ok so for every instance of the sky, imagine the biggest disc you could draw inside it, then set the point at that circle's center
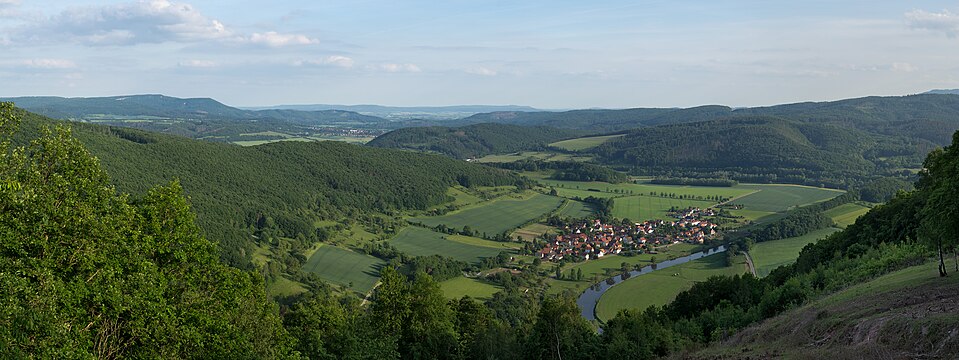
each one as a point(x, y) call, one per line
point(554, 54)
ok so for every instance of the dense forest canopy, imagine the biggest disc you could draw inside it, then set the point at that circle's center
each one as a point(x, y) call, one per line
point(473, 140)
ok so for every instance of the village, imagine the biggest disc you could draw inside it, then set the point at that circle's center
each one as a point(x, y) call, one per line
point(594, 239)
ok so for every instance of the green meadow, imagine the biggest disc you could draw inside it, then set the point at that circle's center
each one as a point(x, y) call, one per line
point(777, 197)
point(584, 143)
point(846, 214)
point(345, 267)
point(495, 216)
point(769, 255)
point(460, 286)
point(418, 241)
point(661, 286)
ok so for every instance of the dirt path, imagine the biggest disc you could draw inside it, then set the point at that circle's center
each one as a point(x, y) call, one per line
point(749, 263)
point(369, 294)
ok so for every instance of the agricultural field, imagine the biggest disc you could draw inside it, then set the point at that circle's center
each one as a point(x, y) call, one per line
point(776, 197)
point(584, 143)
point(532, 231)
point(418, 241)
point(769, 255)
point(639, 208)
point(661, 287)
point(640, 187)
point(344, 267)
point(282, 286)
point(846, 214)
point(460, 286)
point(497, 216)
point(532, 155)
point(575, 209)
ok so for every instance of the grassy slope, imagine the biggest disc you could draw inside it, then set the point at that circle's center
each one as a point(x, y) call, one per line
point(639, 208)
point(772, 254)
point(583, 143)
point(497, 216)
point(775, 198)
point(661, 287)
point(343, 267)
point(458, 287)
point(418, 241)
point(846, 214)
point(910, 313)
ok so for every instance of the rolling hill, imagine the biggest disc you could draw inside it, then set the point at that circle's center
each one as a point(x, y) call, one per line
point(275, 190)
point(931, 117)
point(751, 144)
point(166, 107)
point(473, 140)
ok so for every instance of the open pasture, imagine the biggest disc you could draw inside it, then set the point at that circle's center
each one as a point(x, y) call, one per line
point(460, 286)
point(584, 143)
point(640, 187)
point(660, 287)
point(418, 241)
point(640, 208)
point(345, 267)
point(575, 209)
point(496, 216)
point(532, 231)
point(769, 255)
point(777, 197)
point(846, 214)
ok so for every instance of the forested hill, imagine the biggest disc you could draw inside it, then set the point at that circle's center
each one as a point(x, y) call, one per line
point(473, 140)
point(602, 120)
point(768, 148)
point(930, 117)
point(160, 106)
point(281, 187)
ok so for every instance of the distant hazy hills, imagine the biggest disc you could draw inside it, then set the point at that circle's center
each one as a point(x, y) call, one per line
point(944, 91)
point(160, 106)
point(406, 112)
point(813, 142)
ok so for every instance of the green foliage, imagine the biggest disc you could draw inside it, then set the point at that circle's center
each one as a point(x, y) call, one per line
point(940, 215)
point(560, 332)
point(87, 272)
point(274, 192)
point(747, 145)
point(473, 140)
point(883, 189)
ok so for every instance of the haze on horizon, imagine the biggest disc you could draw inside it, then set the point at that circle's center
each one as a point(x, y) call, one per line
point(546, 54)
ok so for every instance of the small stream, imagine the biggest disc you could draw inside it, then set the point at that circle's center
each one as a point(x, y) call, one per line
point(590, 298)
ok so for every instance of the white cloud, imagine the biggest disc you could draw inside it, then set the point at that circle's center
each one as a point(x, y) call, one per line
point(9, 8)
point(48, 64)
point(333, 60)
point(275, 39)
point(152, 21)
point(197, 64)
point(481, 71)
point(390, 67)
point(142, 22)
point(903, 67)
point(946, 21)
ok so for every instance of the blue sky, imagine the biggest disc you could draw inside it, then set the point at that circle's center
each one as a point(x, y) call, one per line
point(548, 54)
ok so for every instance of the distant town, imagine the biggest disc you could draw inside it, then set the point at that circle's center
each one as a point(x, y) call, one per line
point(594, 239)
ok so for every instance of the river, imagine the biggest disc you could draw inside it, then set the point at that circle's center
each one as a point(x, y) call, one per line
point(588, 300)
